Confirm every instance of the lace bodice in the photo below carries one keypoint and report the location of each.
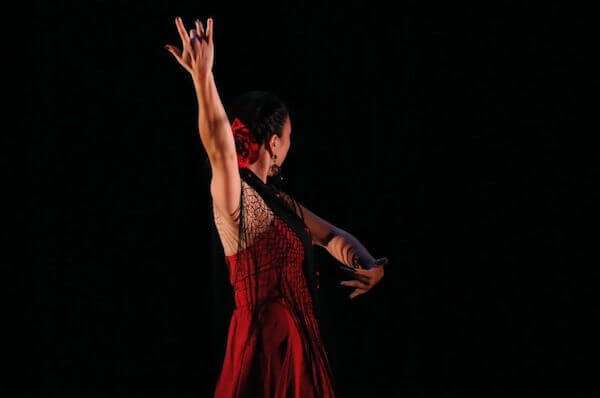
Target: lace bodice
(270, 239)
(261, 219)
(228, 225)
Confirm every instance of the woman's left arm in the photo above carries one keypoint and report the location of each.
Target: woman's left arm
(348, 250)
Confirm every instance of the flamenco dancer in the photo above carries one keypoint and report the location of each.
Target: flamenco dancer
(274, 347)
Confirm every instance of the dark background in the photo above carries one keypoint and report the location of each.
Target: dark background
(456, 141)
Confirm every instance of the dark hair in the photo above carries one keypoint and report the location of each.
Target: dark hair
(263, 112)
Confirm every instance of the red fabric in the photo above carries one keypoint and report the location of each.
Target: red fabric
(275, 364)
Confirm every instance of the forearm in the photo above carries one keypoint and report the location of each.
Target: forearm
(213, 125)
(345, 248)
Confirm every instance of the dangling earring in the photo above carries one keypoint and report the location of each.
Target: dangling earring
(274, 167)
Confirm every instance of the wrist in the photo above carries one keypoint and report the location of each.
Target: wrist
(378, 262)
(361, 259)
(202, 82)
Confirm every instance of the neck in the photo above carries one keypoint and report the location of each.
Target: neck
(261, 169)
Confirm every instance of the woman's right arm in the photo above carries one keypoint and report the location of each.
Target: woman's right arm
(214, 128)
(217, 139)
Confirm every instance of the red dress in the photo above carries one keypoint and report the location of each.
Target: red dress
(275, 364)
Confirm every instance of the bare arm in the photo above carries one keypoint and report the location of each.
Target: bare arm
(213, 126)
(341, 244)
(217, 139)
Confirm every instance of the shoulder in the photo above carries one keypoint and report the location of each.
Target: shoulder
(253, 209)
(321, 230)
(291, 203)
(221, 216)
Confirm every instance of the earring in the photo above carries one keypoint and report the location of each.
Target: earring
(274, 167)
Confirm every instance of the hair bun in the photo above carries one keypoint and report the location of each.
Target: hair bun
(246, 147)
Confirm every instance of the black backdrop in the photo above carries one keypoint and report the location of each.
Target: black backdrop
(449, 139)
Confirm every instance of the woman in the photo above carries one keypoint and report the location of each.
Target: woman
(274, 347)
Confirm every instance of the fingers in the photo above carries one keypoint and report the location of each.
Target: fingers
(362, 271)
(374, 274)
(369, 275)
(370, 272)
(344, 267)
(357, 284)
(173, 50)
(362, 276)
(357, 292)
(200, 28)
(209, 29)
(185, 38)
(353, 271)
(196, 42)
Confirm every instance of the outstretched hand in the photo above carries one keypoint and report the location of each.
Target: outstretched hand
(197, 53)
(365, 278)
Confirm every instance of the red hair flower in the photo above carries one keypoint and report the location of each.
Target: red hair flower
(246, 147)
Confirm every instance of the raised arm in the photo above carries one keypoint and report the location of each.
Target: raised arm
(213, 125)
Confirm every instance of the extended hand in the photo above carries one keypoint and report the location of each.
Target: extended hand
(365, 279)
(198, 52)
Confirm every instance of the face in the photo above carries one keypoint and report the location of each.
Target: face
(281, 145)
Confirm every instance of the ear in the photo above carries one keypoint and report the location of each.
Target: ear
(273, 144)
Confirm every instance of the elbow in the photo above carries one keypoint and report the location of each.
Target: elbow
(328, 238)
(219, 156)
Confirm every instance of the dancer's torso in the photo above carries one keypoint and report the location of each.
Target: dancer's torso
(267, 241)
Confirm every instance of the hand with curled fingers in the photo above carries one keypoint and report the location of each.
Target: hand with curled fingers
(197, 53)
(365, 278)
